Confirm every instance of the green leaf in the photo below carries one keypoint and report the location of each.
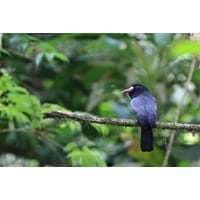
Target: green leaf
(61, 57)
(184, 163)
(101, 128)
(86, 158)
(49, 56)
(48, 107)
(185, 47)
(16, 104)
(4, 51)
(38, 58)
(70, 147)
(51, 52)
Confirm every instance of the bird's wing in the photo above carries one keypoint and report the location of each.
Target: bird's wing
(145, 108)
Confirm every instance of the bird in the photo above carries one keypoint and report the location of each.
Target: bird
(144, 105)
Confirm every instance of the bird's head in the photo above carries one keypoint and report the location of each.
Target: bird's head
(134, 90)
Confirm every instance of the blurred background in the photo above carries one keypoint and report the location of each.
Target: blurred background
(85, 73)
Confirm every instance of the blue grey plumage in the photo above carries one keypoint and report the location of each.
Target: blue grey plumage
(144, 105)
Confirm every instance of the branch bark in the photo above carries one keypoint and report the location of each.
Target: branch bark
(86, 117)
(178, 112)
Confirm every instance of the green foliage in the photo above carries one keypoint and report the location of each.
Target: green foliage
(17, 106)
(102, 129)
(48, 107)
(49, 52)
(35, 49)
(85, 157)
(85, 72)
(185, 47)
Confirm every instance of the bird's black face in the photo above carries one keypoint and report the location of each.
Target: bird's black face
(135, 90)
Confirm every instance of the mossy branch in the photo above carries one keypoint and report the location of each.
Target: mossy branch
(79, 116)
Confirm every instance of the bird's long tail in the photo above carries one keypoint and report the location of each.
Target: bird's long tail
(146, 142)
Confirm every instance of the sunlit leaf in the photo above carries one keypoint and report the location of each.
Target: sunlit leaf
(70, 147)
(86, 158)
(182, 47)
(38, 58)
(17, 104)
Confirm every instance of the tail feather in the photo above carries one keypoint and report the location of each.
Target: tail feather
(146, 141)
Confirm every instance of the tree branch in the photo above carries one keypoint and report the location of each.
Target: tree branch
(178, 112)
(86, 117)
